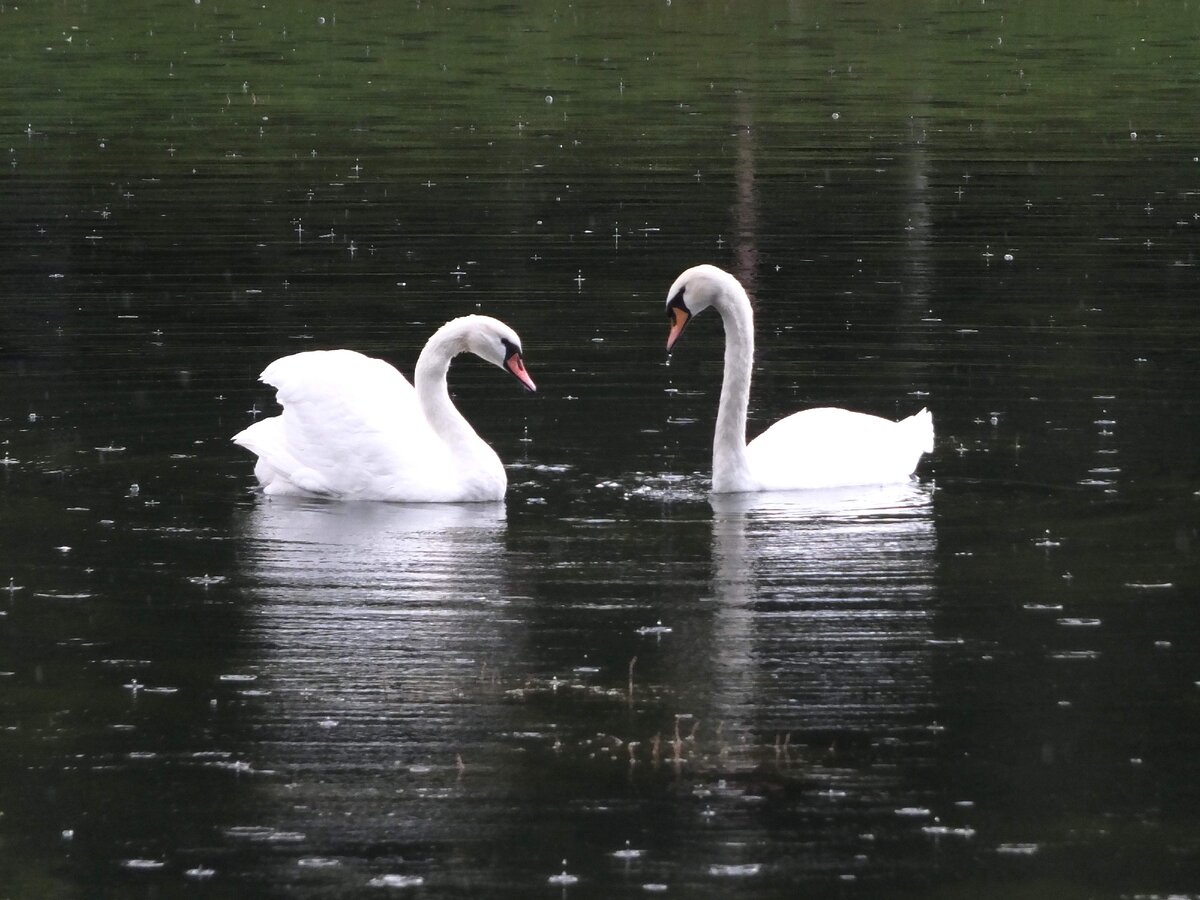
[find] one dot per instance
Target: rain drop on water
(628, 852)
(564, 877)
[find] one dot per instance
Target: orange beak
(516, 365)
(679, 319)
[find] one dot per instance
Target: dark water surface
(984, 684)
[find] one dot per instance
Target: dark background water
(983, 685)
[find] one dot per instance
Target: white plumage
(353, 428)
(814, 448)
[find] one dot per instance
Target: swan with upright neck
(353, 428)
(814, 448)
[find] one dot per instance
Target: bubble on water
(318, 862)
(745, 870)
(144, 865)
(1073, 655)
(264, 834)
(199, 873)
(397, 881)
(549, 98)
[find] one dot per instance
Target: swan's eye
(509, 349)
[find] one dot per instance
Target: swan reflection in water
(368, 620)
(817, 645)
(371, 626)
(822, 619)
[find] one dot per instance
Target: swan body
(353, 428)
(814, 448)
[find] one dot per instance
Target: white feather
(814, 448)
(353, 428)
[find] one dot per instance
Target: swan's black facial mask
(514, 362)
(679, 315)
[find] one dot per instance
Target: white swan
(815, 448)
(353, 428)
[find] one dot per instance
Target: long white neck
(731, 470)
(429, 379)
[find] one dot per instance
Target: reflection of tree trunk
(745, 207)
(918, 229)
(918, 262)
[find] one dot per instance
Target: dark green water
(984, 685)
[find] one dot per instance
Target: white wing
(350, 425)
(830, 447)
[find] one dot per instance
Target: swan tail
(920, 427)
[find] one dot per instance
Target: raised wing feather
(348, 422)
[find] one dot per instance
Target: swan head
(694, 291)
(493, 341)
